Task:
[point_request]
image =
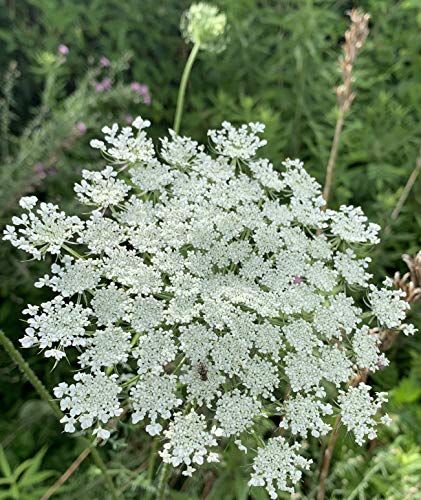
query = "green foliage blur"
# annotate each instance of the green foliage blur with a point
(280, 67)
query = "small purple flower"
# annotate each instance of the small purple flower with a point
(63, 49)
(297, 279)
(104, 61)
(129, 119)
(136, 87)
(81, 127)
(106, 83)
(142, 90)
(52, 171)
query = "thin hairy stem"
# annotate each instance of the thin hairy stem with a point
(407, 189)
(183, 85)
(45, 395)
(16, 356)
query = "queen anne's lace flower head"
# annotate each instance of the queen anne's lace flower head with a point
(106, 348)
(235, 143)
(350, 224)
(154, 395)
(199, 290)
(235, 412)
(351, 268)
(365, 344)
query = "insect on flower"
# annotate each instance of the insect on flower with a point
(202, 370)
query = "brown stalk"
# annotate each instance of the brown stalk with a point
(65, 476)
(354, 41)
(74, 466)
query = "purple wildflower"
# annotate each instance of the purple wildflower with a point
(106, 83)
(104, 61)
(81, 127)
(63, 49)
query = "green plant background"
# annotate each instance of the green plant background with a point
(280, 67)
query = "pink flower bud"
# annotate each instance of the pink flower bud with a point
(63, 49)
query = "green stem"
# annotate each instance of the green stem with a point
(29, 373)
(131, 381)
(182, 89)
(162, 485)
(72, 252)
(16, 356)
(151, 465)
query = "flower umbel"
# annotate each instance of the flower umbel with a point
(201, 285)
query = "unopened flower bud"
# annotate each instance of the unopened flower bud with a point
(203, 24)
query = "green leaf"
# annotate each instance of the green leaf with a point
(406, 392)
(4, 464)
(38, 477)
(34, 464)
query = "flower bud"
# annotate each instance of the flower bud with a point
(203, 24)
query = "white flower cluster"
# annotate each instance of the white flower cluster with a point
(277, 466)
(304, 414)
(387, 304)
(101, 189)
(189, 442)
(46, 229)
(75, 276)
(203, 284)
(239, 143)
(358, 409)
(94, 397)
(58, 325)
